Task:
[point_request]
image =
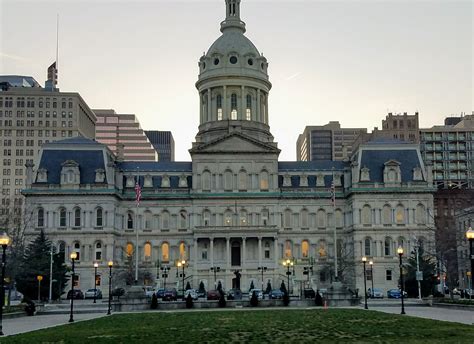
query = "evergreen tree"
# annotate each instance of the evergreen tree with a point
(222, 301)
(283, 287)
(154, 301)
(202, 289)
(427, 267)
(36, 261)
(188, 286)
(219, 286)
(189, 301)
(254, 299)
(252, 286)
(269, 288)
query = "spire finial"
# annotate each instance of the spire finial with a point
(232, 17)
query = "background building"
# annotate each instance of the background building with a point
(29, 117)
(465, 219)
(326, 142)
(163, 143)
(124, 136)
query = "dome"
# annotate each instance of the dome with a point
(233, 42)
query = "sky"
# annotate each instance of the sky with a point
(348, 61)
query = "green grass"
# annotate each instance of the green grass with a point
(258, 326)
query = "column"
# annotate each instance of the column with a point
(258, 106)
(195, 259)
(243, 107)
(244, 252)
(259, 251)
(228, 253)
(225, 115)
(209, 105)
(266, 108)
(275, 241)
(211, 242)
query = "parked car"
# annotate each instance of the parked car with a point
(376, 293)
(78, 295)
(234, 294)
(258, 292)
(276, 294)
(309, 294)
(468, 293)
(160, 292)
(118, 292)
(191, 292)
(170, 295)
(89, 294)
(213, 295)
(394, 293)
(149, 291)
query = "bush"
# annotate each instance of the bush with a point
(222, 301)
(189, 301)
(286, 299)
(30, 307)
(154, 301)
(254, 299)
(318, 299)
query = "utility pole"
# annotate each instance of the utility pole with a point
(51, 275)
(418, 271)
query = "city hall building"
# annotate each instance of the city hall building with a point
(234, 206)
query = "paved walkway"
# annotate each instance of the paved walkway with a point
(38, 322)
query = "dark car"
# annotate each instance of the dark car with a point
(170, 295)
(118, 292)
(234, 294)
(394, 294)
(276, 294)
(78, 295)
(309, 294)
(160, 293)
(213, 295)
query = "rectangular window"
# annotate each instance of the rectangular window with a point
(388, 275)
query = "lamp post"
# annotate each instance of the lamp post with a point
(364, 260)
(73, 257)
(400, 254)
(371, 263)
(164, 270)
(39, 278)
(288, 263)
(215, 269)
(182, 264)
(96, 265)
(262, 269)
(4, 242)
(470, 237)
(110, 264)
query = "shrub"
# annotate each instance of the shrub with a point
(254, 299)
(154, 302)
(222, 301)
(286, 299)
(188, 286)
(189, 301)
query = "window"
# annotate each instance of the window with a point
(129, 250)
(62, 217)
(98, 251)
(288, 253)
(367, 247)
(77, 249)
(129, 221)
(40, 217)
(287, 218)
(147, 251)
(248, 114)
(305, 249)
(165, 252)
(388, 275)
(366, 215)
(183, 219)
(400, 214)
(98, 217)
(206, 217)
(233, 106)
(206, 181)
(228, 218)
(242, 180)
(388, 246)
(321, 218)
(182, 251)
(219, 107)
(420, 214)
(339, 218)
(243, 218)
(148, 220)
(387, 214)
(264, 180)
(265, 217)
(204, 252)
(304, 218)
(77, 217)
(228, 180)
(165, 220)
(267, 250)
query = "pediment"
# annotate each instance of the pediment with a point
(392, 162)
(235, 143)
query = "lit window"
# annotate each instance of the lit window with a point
(129, 250)
(288, 253)
(147, 251)
(305, 249)
(165, 252)
(182, 251)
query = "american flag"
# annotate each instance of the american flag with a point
(138, 193)
(332, 191)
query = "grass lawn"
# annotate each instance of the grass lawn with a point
(259, 326)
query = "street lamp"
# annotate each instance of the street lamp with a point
(165, 270)
(470, 237)
(182, 265)
(96, 265)
(216, 269)
(262, 269)
(4, 242)
(400, 254)
(73, 257)
(371, 263)
(288, 263)
(110, 264)
(364, 260)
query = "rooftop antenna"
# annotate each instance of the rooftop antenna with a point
(57, 41)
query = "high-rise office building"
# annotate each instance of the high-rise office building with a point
(124, 136)
(326, 142)
(163, 143)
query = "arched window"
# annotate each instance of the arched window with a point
(182, 251)
(219, 107)
(386, 214)
(267, 250)
(165, 252)
(367, 247)
(288, 250)
(243, 218)
(305, 249)
(148, 219)
(76, 247)
(263, 180)
(206, 180)
(228, 218)
(62, 217)
(129, 221)
(388, 246)
(248, 113)
(98, 251)
(77, 217)
(242, 180)
(420, 214)
(400, 214)
(147, 251)
(304, 218)
(233, 106)
(165, 220)
(401, 242)
(62, 250)
(183, 219)
(40, 217)
(99, 217)
(366, 215)
(206, 218)
(322, 250)
(129, 250)
(265, 217)
(339, 218)
(228, 180)
(287, 218)
(321, 218)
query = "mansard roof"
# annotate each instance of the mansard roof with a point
(313, 166)
(75, 141)
(164, 166)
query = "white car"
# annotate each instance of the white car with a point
(258, 292)
(149, 291)
(191, 292)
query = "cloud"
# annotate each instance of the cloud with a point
(13, 57)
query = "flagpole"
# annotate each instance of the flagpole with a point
(137, 199)
(333, 200)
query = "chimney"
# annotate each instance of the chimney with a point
(120, 152)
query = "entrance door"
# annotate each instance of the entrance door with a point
(235, 254)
